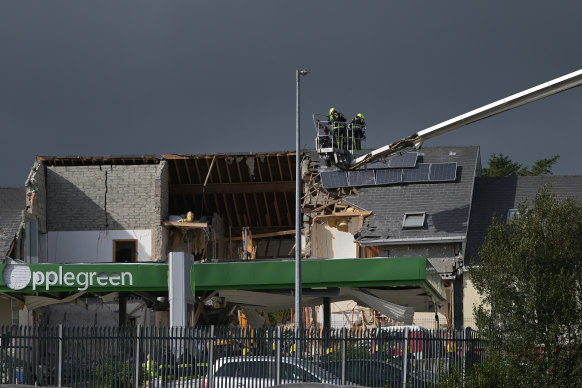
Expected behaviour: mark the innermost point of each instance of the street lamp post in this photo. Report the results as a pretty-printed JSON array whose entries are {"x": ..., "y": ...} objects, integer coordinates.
[{"x": 298, "y": 218}]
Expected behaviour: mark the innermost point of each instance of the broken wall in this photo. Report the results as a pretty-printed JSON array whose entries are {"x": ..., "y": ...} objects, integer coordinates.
[
  {"x": 103, "y": 199},
  {"x": 36, "y": 196},
  {"x": 327, "y": 240}
]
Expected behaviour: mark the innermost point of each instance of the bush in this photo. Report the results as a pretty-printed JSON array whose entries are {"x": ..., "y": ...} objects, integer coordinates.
[{"x": 114, "y": 374}]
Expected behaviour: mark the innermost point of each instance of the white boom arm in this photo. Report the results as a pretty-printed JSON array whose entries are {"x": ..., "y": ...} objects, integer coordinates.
[{"x": 544, "y": 90}]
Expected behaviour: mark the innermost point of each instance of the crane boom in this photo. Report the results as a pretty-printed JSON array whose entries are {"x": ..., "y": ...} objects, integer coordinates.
[{"x": 415, "y": 141}]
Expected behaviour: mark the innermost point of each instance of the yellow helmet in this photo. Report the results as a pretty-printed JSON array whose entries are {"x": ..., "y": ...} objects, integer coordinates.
[
  {"x": 331, "y": 110},
  {"x": 360, "y": 116}
]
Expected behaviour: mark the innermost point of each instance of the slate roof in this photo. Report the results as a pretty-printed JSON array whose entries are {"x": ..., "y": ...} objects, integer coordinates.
[
  {"x": 495, "y": 196},
  {"x": 12, "y": 203},
  {"x": 447, "y": 204}
]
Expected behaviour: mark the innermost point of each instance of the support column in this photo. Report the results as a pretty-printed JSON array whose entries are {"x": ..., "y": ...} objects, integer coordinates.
[
  {"x": 179, "y": 288},
  {"x": 326, "y": 313},
  {"x": 122, "y": 302}
]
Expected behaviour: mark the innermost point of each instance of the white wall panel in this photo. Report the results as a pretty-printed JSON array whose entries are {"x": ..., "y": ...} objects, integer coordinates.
[{"x": 94, "y": 246}]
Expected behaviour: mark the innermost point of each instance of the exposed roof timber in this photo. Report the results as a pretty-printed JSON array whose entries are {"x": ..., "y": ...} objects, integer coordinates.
[
  {"x": 242, "y": 154},
  {"x": 185, "y": 225},
  {"x": 261, "y": 235},
  {"x": 234, "y": 198},
  {"x": 247, "y": 187},
  {"x": 98, "y": 160},
  {"x": 345, "y": 214},
  {"x": 267, "y": 215},
  {"x": 322, "y": 207},
  {"x": 276, "y": 202},
  {"x": 247, "y": 215},
  {"x": 254, "y": 189}
]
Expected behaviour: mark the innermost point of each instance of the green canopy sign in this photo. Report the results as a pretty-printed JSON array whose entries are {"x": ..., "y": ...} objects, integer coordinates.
[{"x": 98, "y": 277}]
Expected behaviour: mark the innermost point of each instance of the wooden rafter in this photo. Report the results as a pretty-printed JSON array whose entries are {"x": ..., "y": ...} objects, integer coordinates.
[
  {"x": 190, "y": 198},
  {"x": 263, "y": 235},
  {"x": 251, "y": 187},
  {"x": 209, "y": 177},
  {"x": 217, "y": 202},
  {"x": 345, "y": 214},
  {"x": 178, "y": 173},
  {"x": 179, "y": 196},
  {"x": 320, "y": 208},
  {"x": 290, "y": 165},
  {"x": 280, "y": 169},
  {"x": 289, "y": 219},
  {"x": 188, "y": 175},
  {"x": 275, "y": 198},
  {"x": 257, "y": 208},
  {"x": 247, "y": 222},
  {"x": 199, "y": 176},
  {"x": 185, "y": 225},
  {"x": 267, "y": 213}
]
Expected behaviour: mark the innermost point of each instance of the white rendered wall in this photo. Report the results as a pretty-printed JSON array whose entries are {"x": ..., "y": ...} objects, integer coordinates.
[
  {"x": 94, "y": 246},
  {"x": 330, "y": 242},
  {"x": 471, "y": 298}
]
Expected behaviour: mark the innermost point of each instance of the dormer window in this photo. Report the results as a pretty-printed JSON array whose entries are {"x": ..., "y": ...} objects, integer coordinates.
[{"x": 413, "y": 220}]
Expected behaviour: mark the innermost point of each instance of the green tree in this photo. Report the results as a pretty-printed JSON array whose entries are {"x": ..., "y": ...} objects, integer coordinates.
[
  {"x": 540, "y": 167},
  {"x": 500, "y": 165},
  {"x": 530, "y": 277}
]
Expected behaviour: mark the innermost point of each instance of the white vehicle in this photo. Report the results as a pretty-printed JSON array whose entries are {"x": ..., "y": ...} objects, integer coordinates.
[{"x": 261, "y": 371}]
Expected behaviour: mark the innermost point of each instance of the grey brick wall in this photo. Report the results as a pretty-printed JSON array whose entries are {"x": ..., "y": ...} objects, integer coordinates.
[{"x": 105, "y": 197}]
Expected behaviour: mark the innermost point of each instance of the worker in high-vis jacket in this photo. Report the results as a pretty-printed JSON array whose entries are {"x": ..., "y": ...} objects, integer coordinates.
[
  {"x": 358, "y": 127},
  {"x": 338, "y": 125}
]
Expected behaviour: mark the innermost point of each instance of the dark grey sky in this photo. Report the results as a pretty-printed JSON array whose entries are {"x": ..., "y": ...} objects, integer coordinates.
[{"x": 153, "y": 77}]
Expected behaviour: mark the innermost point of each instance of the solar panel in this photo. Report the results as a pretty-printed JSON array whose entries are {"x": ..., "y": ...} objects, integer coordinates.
[
  {"x": 333, "y": 179},
  {"x": 384, "y": 177},
  {"x": 417, "y": 174},
  {"x": 407, "y": 160},
  {"x": 440, "y": 172},
  {"x": 361, "y": 178}
]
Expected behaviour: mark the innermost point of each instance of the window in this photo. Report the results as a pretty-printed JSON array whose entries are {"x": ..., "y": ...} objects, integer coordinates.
[
  {"x": 124, "y": 251},
  {"x": 511, "y": 214},
  {"x": 247, "y": 369},
  {"x": 296, "y": 373},
  {"x": 413, "y": 220},
  {"x": 254, "y": 369},
  {"x": 228, "y": 370}
]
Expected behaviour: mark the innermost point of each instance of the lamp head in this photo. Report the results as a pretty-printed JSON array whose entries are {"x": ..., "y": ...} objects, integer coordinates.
[{"x": 303, "y": 72}]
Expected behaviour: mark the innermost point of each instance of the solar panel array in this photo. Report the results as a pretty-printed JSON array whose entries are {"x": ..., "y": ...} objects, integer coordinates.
[{"x": 422, "y": 172}]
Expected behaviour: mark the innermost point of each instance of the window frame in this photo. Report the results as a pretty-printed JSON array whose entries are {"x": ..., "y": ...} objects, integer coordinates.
[
  {"x": 415, "y": 225},
  {"x": 135, "y": 259}
]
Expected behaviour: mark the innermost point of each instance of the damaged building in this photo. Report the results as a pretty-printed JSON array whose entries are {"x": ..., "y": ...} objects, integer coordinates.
[{"x": 385, "y": 243}]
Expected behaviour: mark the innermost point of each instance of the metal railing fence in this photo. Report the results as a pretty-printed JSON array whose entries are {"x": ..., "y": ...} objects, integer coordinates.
[{"x": 219, "y": 356}]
